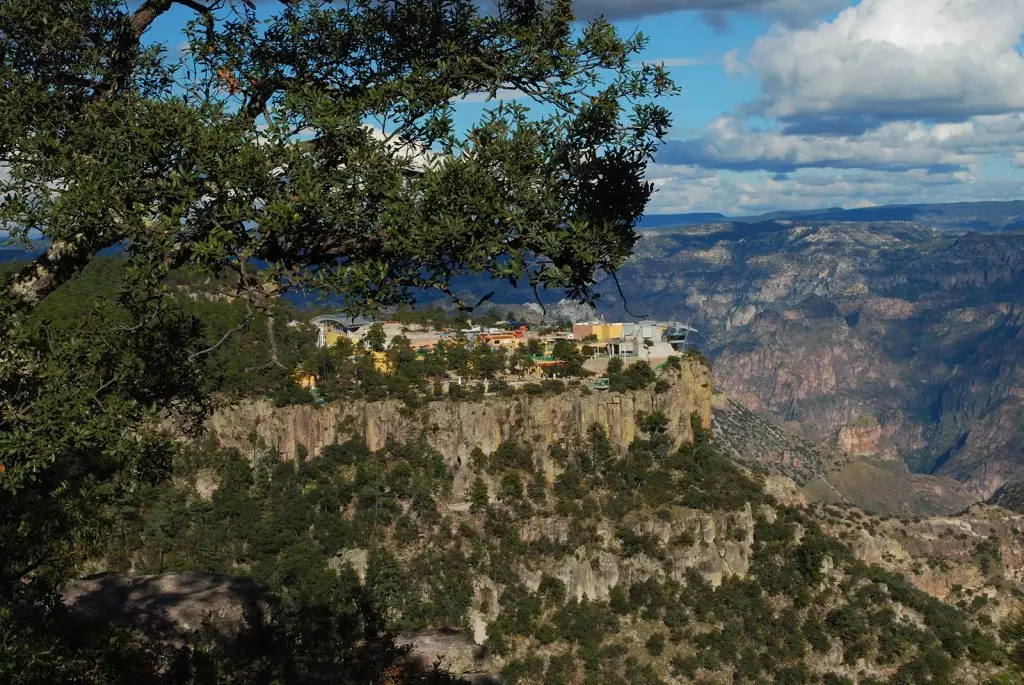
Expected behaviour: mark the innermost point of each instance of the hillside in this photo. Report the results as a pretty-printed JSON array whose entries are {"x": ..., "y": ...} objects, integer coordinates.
[
  {"x": 819, "y": 324},
  {"x": 579, "y": 555},
  {"x": 849, "y": 468}
]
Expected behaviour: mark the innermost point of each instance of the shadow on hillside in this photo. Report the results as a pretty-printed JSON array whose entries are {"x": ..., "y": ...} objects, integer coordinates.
[{"x": 225, "y": 629}]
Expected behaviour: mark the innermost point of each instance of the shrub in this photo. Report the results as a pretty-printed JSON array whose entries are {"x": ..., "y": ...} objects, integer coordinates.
[{"x": 655, "y": 644}]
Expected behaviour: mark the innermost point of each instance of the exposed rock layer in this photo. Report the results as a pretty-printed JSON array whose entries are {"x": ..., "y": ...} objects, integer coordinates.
[
  {"x": 818, "y": 324},
  {"x": 455, "y": 428}
]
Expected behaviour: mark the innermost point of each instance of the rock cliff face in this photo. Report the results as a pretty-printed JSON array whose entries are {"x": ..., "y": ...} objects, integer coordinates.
[
  {"x": 721, "y": 547},
  {"x": 861, "y": 439},
  {"x": 859, "y": 465},
  {"x": 456, "y": 428},
  {"x": 820, "y": 323},
  {"x": 979, "y": 553}
]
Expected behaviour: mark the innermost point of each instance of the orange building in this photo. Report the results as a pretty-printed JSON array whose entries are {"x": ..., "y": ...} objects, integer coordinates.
[
  {"x": 503, "y": 339},
  {"x": 582, "y": 330}
]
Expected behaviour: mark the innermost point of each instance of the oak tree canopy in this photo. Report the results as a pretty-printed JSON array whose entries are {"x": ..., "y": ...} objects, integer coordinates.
[
  {"x": 274, "y": 146},
  {"x": 319, "y": 138}
]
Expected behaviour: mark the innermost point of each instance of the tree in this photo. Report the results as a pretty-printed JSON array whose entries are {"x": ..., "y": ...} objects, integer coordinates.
[
  {"x": 375, "y": 338},
  {"x": 535, "y": 347},
  {"x": 566, "y": 352},
  {"x": 478, "y": 496},
  {"x": 615, "y": 365},
  {"x": 207, "y": 140},
  {"x": 519, "y": 361},
  {"x": 247, "y": 157},
  {"x": 487, "y": 362}
]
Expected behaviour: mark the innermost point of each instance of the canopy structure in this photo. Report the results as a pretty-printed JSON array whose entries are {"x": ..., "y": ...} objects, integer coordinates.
[{"x": 338, "y": 322}]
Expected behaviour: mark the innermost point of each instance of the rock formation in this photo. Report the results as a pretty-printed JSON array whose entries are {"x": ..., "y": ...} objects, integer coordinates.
[
  {"x": 454, "y": 428},
  {"x": 818, "y": 323}
]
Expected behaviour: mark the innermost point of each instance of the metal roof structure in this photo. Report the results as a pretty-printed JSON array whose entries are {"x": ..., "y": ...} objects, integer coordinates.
[{"x": 344, "y": 322}]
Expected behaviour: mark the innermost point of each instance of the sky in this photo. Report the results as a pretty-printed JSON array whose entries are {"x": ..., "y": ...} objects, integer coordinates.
[
  {"x": 798, "y": 104},
  {"x": 802, "y": 104}
]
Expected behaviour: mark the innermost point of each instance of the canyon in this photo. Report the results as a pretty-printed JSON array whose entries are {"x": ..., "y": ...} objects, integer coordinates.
[{"x": 821, "y": 324}]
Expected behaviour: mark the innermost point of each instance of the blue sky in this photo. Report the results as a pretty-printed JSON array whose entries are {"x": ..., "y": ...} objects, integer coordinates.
[
  {"x": 823, "y": 103},
  {"x": 796, "y": 104},
  {"x": 828, "y": 103}
]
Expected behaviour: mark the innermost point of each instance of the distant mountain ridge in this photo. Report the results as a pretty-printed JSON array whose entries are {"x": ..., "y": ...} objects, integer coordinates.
[{"x": 980, "y": 217}]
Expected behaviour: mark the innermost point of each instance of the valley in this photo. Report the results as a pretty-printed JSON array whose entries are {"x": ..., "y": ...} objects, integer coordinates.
[{"x": 822, "y": 324}]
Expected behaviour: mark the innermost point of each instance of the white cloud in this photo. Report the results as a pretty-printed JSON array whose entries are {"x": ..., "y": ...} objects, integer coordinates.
[
  {"x": 733, "y": 65},
  {"x": 687, "y": 189},
  {"x": 730, "y": 143},
  {"x": 892, "y": 59}
]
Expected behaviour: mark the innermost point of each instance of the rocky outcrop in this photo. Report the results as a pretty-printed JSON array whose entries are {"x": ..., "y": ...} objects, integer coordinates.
[
  {"x": 817, "y": 323},
  {"x": 455, "y": 428},
  {"x": 452, "y": 652},
  {"x": 861, "y": 439},
  {"x": 716, "y": 545},
  {"x": 978, "y": 553},
  {"x": 168, "y": 605}
]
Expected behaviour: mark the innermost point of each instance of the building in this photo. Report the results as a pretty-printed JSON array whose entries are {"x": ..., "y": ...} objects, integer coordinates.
[
  {"x": 599, "y": 332},
  {"x": 503, "y": 339},
  {"x": 332, "y": 327},
  {"x": 644, "y": 340},
  {"x": 383, "y": 363}
]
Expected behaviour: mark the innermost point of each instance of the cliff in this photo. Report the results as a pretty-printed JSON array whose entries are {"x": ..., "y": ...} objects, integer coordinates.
[
  {"x": 974, "y": 558},
  {"x": 856, "y": 466},
  {"x": 818, "y": 323},
  {"x": 455, "y": 428},
  {"x": 578, "y": 555}
]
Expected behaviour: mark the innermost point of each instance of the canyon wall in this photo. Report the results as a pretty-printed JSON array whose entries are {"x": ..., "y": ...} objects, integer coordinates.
[
  {"x": 818, "y": 324},
  {"x": 454, "y": 428}
]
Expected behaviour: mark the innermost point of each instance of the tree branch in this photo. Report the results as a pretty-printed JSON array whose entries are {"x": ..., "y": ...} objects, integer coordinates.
[
  {"x": 220, "y": 342},
  {"x": 128, "y": 42},
  {"x": 272, "y": 343},
  {"x": 49, "y": 271}
]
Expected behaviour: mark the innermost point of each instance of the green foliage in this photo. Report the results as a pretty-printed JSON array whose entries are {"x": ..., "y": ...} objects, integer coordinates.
[
  {"x": 114, "y": 138},
  {"x": 655, "y": 644},
  {"x": 478, "y": 496},
  {"x": 637, "y": 376},
  {"x": 510, "y": 455},
  {"x": 571, "y": 359},
  {"x": 987, "y": 555},
  {"x": 653, "y": 423},
  {"x": 313, "y": 644}
]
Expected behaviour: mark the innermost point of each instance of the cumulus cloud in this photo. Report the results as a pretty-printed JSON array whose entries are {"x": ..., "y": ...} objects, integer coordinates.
[
  {"x": 788, "y": 10},
  {"x": 733, "y": 65},
  {"x": 688, "y": 189},
  {"x": 730, "y": 143},
  {"x": 895, "y": 59}
]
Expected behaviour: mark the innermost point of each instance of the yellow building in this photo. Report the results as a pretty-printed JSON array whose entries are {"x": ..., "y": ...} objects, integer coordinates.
[
  {"x": 382, "y": 362},
  {"x": 304, "y": 380},
  {"x": 607, "y": 331},
  {"x": 332, "y": 337}
]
